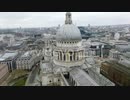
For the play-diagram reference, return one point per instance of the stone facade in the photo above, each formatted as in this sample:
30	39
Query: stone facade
28	60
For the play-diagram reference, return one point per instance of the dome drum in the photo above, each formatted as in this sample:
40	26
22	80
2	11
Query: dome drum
69	57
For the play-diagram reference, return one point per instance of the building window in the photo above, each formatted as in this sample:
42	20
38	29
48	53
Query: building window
58	56
61	55
64	57
70	56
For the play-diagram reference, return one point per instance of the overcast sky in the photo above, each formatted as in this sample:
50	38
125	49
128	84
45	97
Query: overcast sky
48	19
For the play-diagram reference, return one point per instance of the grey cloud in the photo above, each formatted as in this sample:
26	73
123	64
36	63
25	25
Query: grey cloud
47	19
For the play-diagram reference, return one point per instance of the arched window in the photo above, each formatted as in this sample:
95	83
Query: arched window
74	56
61	55
58	56
70	56
43	58
64	57
77	55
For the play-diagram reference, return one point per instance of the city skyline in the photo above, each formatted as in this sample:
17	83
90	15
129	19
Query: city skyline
64	56
48	19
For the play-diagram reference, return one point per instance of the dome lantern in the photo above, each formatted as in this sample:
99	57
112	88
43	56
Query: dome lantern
68	18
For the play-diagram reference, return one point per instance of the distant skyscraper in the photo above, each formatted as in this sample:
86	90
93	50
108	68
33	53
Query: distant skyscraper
89	25
58	26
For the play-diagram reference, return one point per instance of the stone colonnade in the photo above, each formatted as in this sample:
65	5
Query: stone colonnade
70	56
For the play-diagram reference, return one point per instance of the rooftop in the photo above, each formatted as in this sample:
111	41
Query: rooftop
82	78
90	60
119	42
17	44
96	43
115	51
127	54
118	66
123	47
46	67
26	54
8	55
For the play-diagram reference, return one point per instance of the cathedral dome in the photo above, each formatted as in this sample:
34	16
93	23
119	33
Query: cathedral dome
68	32
69	51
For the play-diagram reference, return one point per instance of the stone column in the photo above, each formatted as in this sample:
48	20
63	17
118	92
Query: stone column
77	55
68	57
72	56
62	56
81	55
59	56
